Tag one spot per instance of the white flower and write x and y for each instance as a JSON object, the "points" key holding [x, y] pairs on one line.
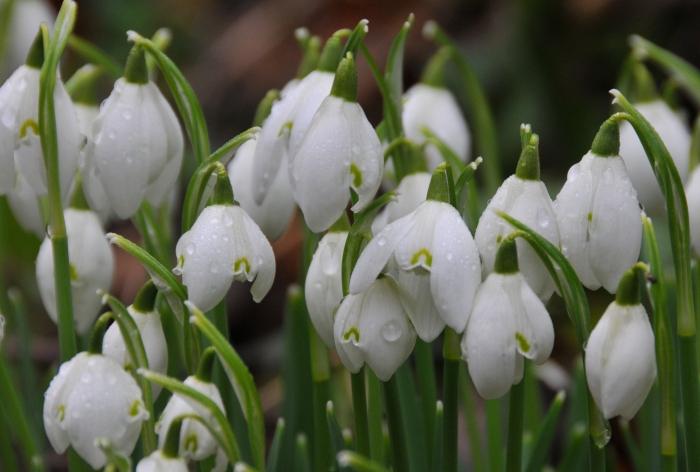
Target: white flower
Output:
{"points": [[372, 327], [436, 264], [323, 289], [526, 199], [91, 266], [92, 398], [26, 207], [19, 133], [620, 358], [224, 245], [675, 135], [411, 192], [692, 193], [195, 440], [27, 16], [135, 151], [598, 219], [435, 108], [159, 462], [283, 131], [340, 151], [275, 213], [508, 322]]}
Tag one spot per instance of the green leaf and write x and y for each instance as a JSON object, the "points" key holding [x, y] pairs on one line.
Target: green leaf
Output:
{"points": [[92, 53], [274, 460], [220, 429], [545, 434], [241, 380], [358, 462]]}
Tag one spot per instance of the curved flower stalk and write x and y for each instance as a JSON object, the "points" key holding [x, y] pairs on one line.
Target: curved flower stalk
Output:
{"points": [[429, 104], [91, 267], [290, 118], [276, 211], [150, 328], [136, 147], [340, 151], [373, 327], [20, 146], [91, 398], [195, 441], [692, 193], [224, 245], [508, 323], [410, 193], [432, 256], [323, 288], [524, 197], [620, 358], [598, 214]]}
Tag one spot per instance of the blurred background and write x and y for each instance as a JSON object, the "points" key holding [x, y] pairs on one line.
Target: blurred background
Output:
{"points": [[546, 62]]}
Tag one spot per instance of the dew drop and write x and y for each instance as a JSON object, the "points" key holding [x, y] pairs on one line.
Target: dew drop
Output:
{"points": [[381, 242], [228, 221], [391, 331], [190, 249], [542, 218]]}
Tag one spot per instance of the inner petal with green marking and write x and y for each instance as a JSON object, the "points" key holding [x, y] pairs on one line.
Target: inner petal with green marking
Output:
{"points": [[353, 333], [523, 343], [422, 258], [28, 124], [356, 176]]}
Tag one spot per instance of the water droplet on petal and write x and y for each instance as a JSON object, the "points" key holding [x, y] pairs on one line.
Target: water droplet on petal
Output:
{"points": [[190, 249], [542, 218], [381, 241], [391, 331]]}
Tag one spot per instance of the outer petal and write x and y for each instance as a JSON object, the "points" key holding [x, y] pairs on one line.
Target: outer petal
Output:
{"points": [[29, 159], [419, 305], [346, 332], [488, 344], [532, 320], [8, 174], [456, 271], [55, 404], [25, 207], [415, 249], [157, 462], [70, 140], [365, 155], [378, 252], [309, 94], [263, 260], [692, 193], [323, 286]]}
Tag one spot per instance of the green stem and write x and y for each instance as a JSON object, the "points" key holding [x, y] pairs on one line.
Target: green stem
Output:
{"points": [[451, 355], [320, 375], [467, 394], [514, 449], [426, 385], [494, 434], [359, 406], [374, 417], [396, 434]]}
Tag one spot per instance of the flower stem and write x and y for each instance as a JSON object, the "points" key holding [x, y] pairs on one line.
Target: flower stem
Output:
{"points": [[514, 450], [359, 406], [451, 355], [374, 417], [426, 387], [396, 434]]}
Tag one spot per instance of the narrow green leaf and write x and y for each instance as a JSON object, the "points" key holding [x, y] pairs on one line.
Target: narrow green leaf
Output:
{"points": [[438, 443], [274, 458], [358, 462], [302, 463], [337, 443], [573, 454], [545, 434], [241, 380], [92, 53]]}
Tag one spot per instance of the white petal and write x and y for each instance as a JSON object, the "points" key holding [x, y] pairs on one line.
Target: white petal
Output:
{"points": [[410, 193], [8, 173], [70, 139], [346, 332], [365, 155], [532, 321], [25, 207], [307, 96], [418, 303], [262, 261], [55, 404], [415, 249], [29, 159], [158, 462], [456, 271]]}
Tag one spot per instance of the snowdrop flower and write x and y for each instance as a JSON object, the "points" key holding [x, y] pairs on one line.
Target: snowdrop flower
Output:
{"points": [[91, 266], [434, 259], [158, 461], [27, 16], [196, 442], [620, 359], [323, 289], [410, 193], [26, 208], [372, 327], [91, 398], [598, 214], [136, 147], [224, 245], [19, 128], [340, 152], [692, 193], [508, 322], [429, 104], [524, 197], [277, 210], [283, 131], [150, 328]]}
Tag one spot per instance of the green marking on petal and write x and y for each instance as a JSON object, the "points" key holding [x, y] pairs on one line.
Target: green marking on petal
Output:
{"points": [[28, 124], [589, 216], [499, 238], [191, 442], [356, 176], [61, 414], [243, 261], [286, 128], [180, 260], [522, 341], [352, 333], [135, 408], [73, 273], [425, 255]]}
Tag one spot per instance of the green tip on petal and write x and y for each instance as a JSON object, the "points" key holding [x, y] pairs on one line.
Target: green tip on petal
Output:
{"points": [[332, 51], [440, 182], [507, 257], [145, 300], [345, 82], [644, 87], [265, 107], [135, 70], [529, 163], [35, 56], [206, 364], [434, 72], [607, 140], [629, 290]]}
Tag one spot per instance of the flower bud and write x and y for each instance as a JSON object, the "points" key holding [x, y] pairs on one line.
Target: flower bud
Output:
{"points": [[692, 193], [224, 245], [508, 322], [92, 398], [524, 197], [196, 442], [91, 267], [620, 357], [157, 461], [323, 289], [676, 136], [372, 327], [598, 218]]}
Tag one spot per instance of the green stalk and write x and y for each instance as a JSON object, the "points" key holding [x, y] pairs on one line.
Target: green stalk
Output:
{"points": [[514, 449], [374, 417], [426, 386], [320, 375], [396, 433], [545, 434], [452, 356], [359, 406], [466, 393], [494, 434]]}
